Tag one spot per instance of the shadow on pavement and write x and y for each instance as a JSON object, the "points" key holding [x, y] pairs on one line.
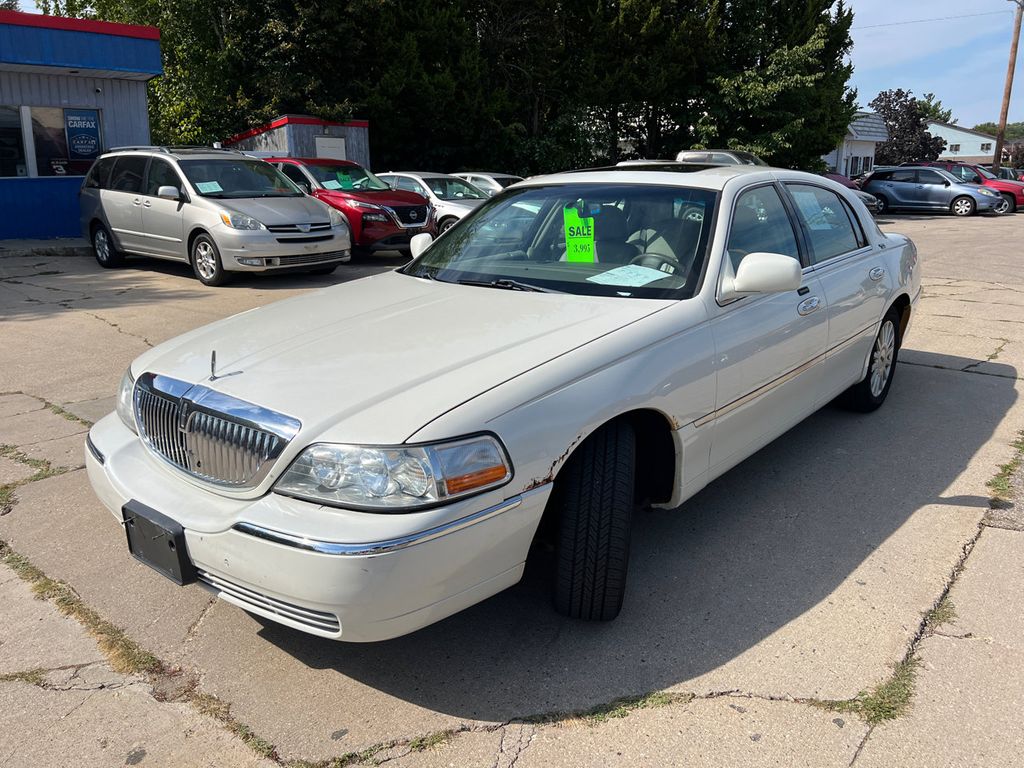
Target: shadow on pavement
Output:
{"points": [[758, 548]]}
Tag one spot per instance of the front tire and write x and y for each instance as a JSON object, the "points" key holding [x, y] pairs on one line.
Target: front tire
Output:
{"points": [[963, 206], [596, 494], [206, 262], [870, 393], [1011, 203], [103, 248], [445, 224]]}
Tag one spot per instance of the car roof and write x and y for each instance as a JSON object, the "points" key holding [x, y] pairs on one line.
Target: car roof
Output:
{"points": [[182, 152], [312, 160], [420, 174], [670, 173], [485, 173]]}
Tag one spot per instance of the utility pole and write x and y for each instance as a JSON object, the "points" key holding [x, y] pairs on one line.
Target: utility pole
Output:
{"points": [[1001, 134]]}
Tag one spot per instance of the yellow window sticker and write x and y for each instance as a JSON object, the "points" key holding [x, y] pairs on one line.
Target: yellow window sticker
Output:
{"points": [[579, 235]]}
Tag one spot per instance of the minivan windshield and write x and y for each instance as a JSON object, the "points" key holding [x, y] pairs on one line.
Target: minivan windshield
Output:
{"points": [[620, 240], [345, 177], [232, 178]]}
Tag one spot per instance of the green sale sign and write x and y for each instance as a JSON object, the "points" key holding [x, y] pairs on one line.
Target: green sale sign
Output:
{"points": [[579, 235]]}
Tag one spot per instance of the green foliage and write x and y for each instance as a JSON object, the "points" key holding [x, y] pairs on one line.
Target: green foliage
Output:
{"points": [[10, 5], [531, 86], [907, 123], [933, 110], [1013, 130]]}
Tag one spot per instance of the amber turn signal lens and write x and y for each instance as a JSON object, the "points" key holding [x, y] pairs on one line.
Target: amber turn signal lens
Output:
{"points": [[467, 482]]}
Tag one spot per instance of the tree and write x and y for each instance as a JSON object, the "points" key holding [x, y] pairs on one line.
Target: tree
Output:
{"points": [[907, 124], [9, 5], [933, 110], [1013, 130]]}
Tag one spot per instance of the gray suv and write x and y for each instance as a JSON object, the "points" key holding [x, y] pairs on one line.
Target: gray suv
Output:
{"points": [[219, 210]]}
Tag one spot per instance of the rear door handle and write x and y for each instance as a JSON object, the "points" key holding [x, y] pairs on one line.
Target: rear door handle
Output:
{"points": [[808, 305], [876, 274], [136, 201]]}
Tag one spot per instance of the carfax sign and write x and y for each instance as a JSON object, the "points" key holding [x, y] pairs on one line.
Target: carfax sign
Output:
{"points": [[83, 131]]}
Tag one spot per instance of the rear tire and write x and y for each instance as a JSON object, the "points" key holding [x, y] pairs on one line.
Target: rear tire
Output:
{"points": [[103, 248], [870, 393], [596, 494], [445, 224], [883, 205], [962, 206]]}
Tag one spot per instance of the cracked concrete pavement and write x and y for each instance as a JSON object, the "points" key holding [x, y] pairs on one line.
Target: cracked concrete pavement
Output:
{"points": [[776, 587]]}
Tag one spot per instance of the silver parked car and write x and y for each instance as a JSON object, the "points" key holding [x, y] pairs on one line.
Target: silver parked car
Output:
{"points": [[719, 157], [932, 189], [452, 197], [218, 210], [490, 183]]}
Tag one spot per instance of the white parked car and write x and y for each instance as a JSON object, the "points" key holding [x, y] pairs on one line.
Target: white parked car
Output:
{"points": [[490, 183], [452, 198], [365, 460]]}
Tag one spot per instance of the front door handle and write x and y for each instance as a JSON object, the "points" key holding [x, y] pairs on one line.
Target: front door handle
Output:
{"points": [[808, 305], [876, 274], [148, 204]]}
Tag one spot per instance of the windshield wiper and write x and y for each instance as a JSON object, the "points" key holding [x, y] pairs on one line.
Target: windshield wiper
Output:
{"points": [[508, 285]]}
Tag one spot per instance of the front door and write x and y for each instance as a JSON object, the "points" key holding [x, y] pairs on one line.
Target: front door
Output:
{"points": [[767, 347], [162, 220], [936, 189], [122, 201]]}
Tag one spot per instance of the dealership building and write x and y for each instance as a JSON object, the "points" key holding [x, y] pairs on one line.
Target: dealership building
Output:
{"points": [[70, 89]]}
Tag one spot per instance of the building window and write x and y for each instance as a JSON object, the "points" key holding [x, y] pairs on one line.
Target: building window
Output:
{"points": [[12, 145], [954, 147], [854, 166], [986, 147], [868, 163], [67, 141]]}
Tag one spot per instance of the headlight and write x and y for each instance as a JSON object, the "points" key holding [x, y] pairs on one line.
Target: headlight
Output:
{"points": [[240, 221], [395, 478], [987, 191], [125, 408], [337, 217], [361, 204]]}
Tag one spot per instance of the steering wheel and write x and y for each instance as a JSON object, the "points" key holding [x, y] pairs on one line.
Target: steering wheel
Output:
{"points": [[659, 262], [693, 213]]}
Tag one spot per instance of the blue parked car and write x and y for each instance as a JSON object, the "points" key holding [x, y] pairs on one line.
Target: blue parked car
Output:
{"points": [[932, 189]]}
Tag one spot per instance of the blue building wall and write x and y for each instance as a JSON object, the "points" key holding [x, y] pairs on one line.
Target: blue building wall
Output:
{"points": [[42, 207], [78, 50]]}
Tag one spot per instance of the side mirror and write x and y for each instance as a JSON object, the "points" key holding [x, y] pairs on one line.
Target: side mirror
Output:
{"points": [[764, 273], [420, 243], [945, 182], [305, 187], [168, 192]]}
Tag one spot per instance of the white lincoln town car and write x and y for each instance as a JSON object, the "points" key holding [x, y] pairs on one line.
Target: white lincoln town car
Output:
{"points": [[363, 461]]}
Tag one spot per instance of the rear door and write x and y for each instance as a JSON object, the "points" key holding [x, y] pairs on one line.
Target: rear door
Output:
{"points": [[903, 189], [122, 201], [163, 220], [852, 275], [767, 347]]}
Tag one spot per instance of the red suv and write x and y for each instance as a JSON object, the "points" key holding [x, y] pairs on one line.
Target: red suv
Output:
{"points": [[1012, 192], [381, 218]]}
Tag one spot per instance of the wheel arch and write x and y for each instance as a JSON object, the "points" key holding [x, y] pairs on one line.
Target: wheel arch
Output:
{"points": [[192, 235]]}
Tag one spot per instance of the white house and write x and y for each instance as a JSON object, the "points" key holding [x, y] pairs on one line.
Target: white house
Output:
{"points": [[857, 152], [963, 144]]}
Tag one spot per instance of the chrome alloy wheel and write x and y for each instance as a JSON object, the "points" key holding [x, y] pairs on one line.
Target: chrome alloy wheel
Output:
{"points": [[206, 260], [1003, 205], [101, 242], [962, 207], [882, 358]]}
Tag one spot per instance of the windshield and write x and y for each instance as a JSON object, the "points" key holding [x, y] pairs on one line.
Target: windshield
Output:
{"points": [[505, 181], [345, 177], [236, 178], [746, 158], [453, 188], [628, 241], [986, 174]]}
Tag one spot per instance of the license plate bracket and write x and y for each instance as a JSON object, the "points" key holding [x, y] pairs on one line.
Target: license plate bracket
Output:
{"points": [[158, 541]]}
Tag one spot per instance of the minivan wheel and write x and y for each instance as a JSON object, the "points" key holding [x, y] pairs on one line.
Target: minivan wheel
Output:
{"points": [[595, 493], [206, 261], [870, 393], [103, 247], [1011, 202], [964, 206]]}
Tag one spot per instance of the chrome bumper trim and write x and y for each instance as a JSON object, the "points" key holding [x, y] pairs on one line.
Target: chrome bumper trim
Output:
{"points": [[380, 547], [96, 452]]}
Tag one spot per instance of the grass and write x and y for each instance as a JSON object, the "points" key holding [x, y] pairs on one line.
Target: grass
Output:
{"points": [[612, 710], [43, 469], [887, 700], [943, 613], [1002, 484], [125, 655], [67, 414], [31, 676]]}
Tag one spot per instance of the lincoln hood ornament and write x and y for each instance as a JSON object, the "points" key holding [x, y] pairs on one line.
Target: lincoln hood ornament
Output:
{"points": [[213, 368]]}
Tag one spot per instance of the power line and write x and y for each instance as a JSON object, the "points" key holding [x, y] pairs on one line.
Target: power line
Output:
{"points": [[924, 21]]}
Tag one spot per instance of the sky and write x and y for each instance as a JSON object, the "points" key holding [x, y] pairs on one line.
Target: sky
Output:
{"points": [[961, 60]]}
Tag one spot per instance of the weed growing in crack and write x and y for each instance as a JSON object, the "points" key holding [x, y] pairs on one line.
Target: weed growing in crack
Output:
{"points": [[886, 701], [43, 469], [1002, 484], [943, 613], [31, 676]]}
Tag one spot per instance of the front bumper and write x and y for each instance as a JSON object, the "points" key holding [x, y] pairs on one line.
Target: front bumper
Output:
{"points": [[258, 251], [266, 556]]}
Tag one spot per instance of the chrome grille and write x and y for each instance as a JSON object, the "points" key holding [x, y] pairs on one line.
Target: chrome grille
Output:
{"points": [[319, 226], [316, 621], [311, 258], [210, 435]]}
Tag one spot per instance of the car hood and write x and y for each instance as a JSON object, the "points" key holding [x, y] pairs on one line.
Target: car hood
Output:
{"points": [[374, 360], [1005, 185], [280, 210], [388, 197]]}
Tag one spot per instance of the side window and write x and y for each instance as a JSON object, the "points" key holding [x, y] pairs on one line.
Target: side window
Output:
{"points": [[827, 223], [881, 176], [161, 174], [295, 174], [409, 185], [127, 174], [760, 223], [930, 178], [904, 176], [99, 175]]}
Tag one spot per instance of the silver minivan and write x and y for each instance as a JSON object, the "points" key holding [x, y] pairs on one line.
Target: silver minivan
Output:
{"points": [[219, 210]]}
